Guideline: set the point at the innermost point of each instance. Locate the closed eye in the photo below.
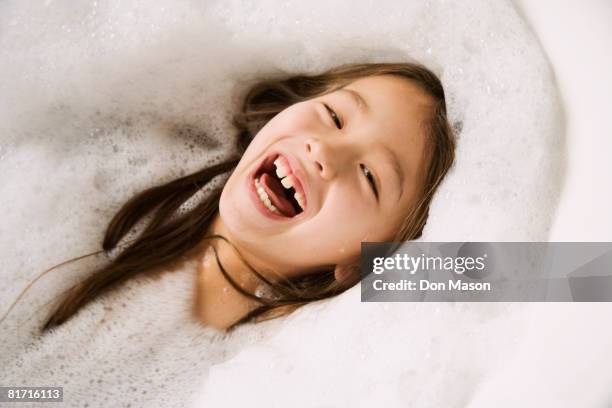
(370, 178)
(334, 117)
(366, 171)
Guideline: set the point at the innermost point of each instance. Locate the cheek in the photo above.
(289, 122)
(296, 116)
(351, 218)
(347, 217)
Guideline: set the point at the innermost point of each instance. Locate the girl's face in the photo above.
(356, 158)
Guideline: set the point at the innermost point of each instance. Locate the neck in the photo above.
(218, 303)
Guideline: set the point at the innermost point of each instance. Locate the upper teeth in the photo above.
(287, 182)
(281, 169)
(287, 179)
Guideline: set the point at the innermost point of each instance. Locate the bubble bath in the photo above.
(102, 99)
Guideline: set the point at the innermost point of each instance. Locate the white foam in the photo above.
(99, 100)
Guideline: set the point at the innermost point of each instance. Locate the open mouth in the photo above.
(277, 187)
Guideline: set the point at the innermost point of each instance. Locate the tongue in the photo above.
(275, 191)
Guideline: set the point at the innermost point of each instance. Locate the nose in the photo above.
(326, 158)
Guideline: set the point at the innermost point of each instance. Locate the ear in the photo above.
(347, 274)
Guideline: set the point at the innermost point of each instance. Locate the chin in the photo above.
(234, 218)
(228, 213)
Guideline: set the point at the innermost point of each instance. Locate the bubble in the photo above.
(102, 100)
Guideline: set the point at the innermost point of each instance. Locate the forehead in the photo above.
(397, 110)
(399, 102)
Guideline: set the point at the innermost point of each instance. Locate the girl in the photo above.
(326, 161)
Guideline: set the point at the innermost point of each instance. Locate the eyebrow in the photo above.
(358, 99)
(397, 170)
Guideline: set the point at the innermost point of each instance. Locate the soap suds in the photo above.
(101, 99)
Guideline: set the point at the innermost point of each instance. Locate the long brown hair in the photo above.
(171, 233)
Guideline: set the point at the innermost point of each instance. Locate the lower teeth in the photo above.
(263, 197)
